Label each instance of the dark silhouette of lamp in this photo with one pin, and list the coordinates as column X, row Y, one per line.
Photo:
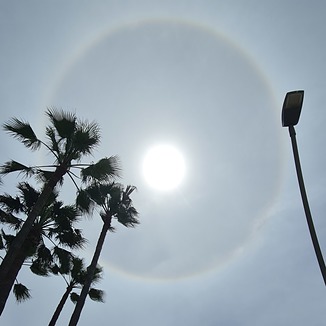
column 290, row 116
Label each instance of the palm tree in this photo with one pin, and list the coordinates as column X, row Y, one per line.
column 54, row 224
column 77, row 276
column 116, row 203
column 68, row 140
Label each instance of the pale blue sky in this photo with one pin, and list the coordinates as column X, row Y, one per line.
column 230, row 246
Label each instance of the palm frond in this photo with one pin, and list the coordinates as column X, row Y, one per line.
column 10, row 219
column 63, row 122
column 64, row 257
column 128, row 217
column 71, row 238
column 116, row 193
column 51, row 135
column 21, row 292
column 128, row 191
column 97, row 274
column 96, row 193
column 8, row 238
column 104, row 170
column 23, row 132
column 29, row 194
column 78, row 272
column 11, row 204
column 42, row 265
column 84, row 202
column 55, row 269
column 14, row 166
column 70, row 139
column 44, row 176
column 74, row 297
column 40, row 268
column 122, row 207
column 65, row 215
column 96, row 295
column 44, row 253
column 86, row 138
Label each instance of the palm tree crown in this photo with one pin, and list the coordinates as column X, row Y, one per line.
column 116, row 203
column 68, row 140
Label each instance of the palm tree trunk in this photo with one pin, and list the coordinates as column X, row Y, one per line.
column 90, row 273
column 17, row 244
column 8, row 282
column 60, row 305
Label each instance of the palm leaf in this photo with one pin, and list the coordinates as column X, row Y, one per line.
column 29, row 194
column 21, row 292
column 10, row 219
column 104, row 170
column 122, row 208
column 50, row 133
column 128, row 217
column 40, row 268
column 94, row 194
column 65, row 215
column 44, row 253
column 97, row 274
column 23, row 132
column 9, row 238
column 44, row 176
column 86, row 138
column 128, row 191
column 71, row 238
column 116, row 193
column 96, row 295
column 78, row 269
column 84, row 202
column 63, row 122
column 74, row 297
column 11, row 204
column 14, row 166
column 55, row 269
column 42, row 265
column 64, row 257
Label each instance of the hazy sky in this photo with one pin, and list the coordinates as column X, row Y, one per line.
column 229, row 246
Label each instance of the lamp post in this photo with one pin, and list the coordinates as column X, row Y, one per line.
column 290, row 116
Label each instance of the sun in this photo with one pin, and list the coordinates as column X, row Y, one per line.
column 163, row 167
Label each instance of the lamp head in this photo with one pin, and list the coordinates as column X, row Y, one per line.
column 292, row 108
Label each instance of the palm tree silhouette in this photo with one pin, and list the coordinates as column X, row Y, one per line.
column 75, row 280
column 68, row 140
column 116, row 203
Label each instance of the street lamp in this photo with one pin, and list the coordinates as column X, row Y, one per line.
column 290, row 116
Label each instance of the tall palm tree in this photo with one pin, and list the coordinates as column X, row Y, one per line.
column 68, row 140
column 116, row 203
column 76, row 278
column 54, row 224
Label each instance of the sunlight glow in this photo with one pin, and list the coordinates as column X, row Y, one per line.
column 163, row 167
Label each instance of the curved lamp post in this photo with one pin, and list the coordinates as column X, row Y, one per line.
column 290, row 116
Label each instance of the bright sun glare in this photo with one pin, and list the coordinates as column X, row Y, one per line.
column 163, row 167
